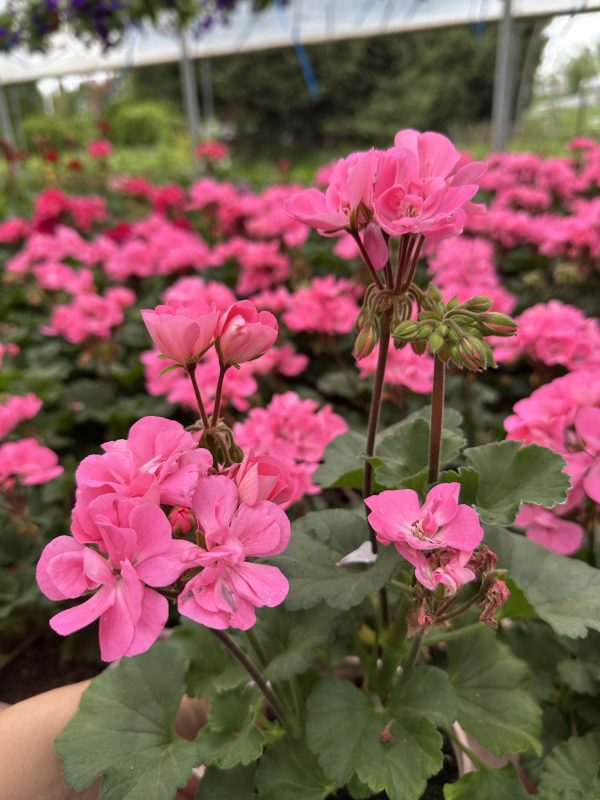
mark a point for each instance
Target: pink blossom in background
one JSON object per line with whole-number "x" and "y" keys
{"x": 10, "y": 349}
{"x": 13, "y": 229}
{"x": 182, "y": 331}
{"x": 551, "y": 531}
{"x": 296, "y": 432}
{"x": 262, "y": 264}
{"x": 284, "y": 360}
{"x": 275, "y": 300}
{"x": 56, "y": 276}
{"x": 100, "y": 149}
{"x": 437, "y": 538}
{"x": 28, "y": 462}
{"x": 587, "y": 430}
{"x": 229, "y": 587}
{"x": 465, "y": 268}
{"x": 404, "y": 368}
{"x": 136, "y": 552}
{"x": 89, "y": 315}
{"x": 212, "y": 150}
{"x": 17, "y": 409}
{"x": 238, "y": 386}
{"x": 245, "y": 333}
{"x": 328, "y": 305}
{"x": 195, "y": 289}
{"x": 554, "y": 333}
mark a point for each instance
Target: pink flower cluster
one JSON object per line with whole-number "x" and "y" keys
{"x": 564, "y": 415}
{"x": 292, "y": 429}
{"x": 327, "y": 305}
{"x": 464, "y": 268}
{"x": 123, "y": 548}
{"x": 437, "y": 538}
{"x": 90, "y": 315}
{"x": 403, "y": 368}
{"x": 419, "y": 186}
{"x": 25, "y": 461}
{"x": 555, "y": 334}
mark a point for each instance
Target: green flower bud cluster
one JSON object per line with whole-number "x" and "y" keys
{"x": 375, "y": 302}
{"x": 454, "y": 331}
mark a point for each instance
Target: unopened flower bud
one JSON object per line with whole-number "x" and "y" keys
{"x": 182, "y": 520}
{"x": 365, "y": 341}
{"x": 419, "y": 347}
{"x": 497, "y": 324}
{"x": 406, "y": 330}
{"x": 436, "y": 341}
{"x": 478, "y": 303}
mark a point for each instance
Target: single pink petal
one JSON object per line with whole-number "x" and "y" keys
{"x": 440, "y": 505}
{"x": 259, "y": 584}
{"x": 153, "y": 618}
{"x": 437, "y": 154}
{"x": 464, "y": 531}
{"x": 214, "y": 502}
{"x": 264, "y": 529}
{"x": 152, "y": 529}
{"x": 117, "y": 623}
{"x": 73, "y": 619}
{"x": 375, "y": 245}
{"x": 587, "y": 425}
{"x": 393, "y": 513}
{"x": 65, "y": 578}
{"x": 591, "y": 483}
{"x": 164, "y": 568}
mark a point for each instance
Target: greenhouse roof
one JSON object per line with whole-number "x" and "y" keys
{"x": 299, "y": 21}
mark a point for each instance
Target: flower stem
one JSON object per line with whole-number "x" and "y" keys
{"x": 254, "y": 673}
{"x": 219, "y": 394}
{"x": 367, "y": 260}
{"x": 191, "y": 371}
{"x": 437, "y": 418}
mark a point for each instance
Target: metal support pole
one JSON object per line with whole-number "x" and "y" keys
{"x": 190, "y": 94}
{"x": 5, "y": 121}
{"x": 208, "y": 104}
{"x": 502, "y": 81}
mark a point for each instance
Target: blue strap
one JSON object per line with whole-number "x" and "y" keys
{"x": 301, "y": 54}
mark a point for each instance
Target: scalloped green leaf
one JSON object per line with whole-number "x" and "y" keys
{"x": 495, "y": 704}
{"x": 394, "y": 751}
{"x": 227, "y": 784}
{"x": 564, "y": 592}
{"x": 290, "y": 771}
{"x": 572, "y": 770}
{"x": 319, "y": 540}
{"x": 511, "y": 473}
{"x": 124, "y": 730}
{"x": 487, "y": 784}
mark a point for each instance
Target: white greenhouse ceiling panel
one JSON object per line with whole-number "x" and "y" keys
{"x": 299, "y": 21}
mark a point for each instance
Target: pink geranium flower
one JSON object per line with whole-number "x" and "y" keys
{"x": 28, "y": 462}
{"x": 551, "y": 531}
{"x": 182, "y": 331}
{"x": 229, "y": 587}
{"x": 442, "y": 521}
{"x": 100, "y": 149}
{"x": 437, "y": 538}
{"x": 159, "y": 462}
{"x": 17, "y": 409}
{"x": 245, "y": 333}
{"x": 137, "y": 552}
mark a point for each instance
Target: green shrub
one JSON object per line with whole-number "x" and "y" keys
{"x": 58, "y": 131}
{"x": 145, "y": 123}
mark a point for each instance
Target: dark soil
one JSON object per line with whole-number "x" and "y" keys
{"x": 42, "y": 666}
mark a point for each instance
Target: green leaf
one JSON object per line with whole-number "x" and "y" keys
{"x": 319, "y": 540}
{"x": 211, "y": 666}
{"x": 429, "y": 692}
{"x": 572, "y": 770}
{"x": 492, "y": 685}
{"x": 582, "y": 672}
{"x": 405, "y": 452}
{"x": 395, "y": 754}
{"x": 124, "y": 730}
{"x": 536, "y": 643}
{"x": 291, "y": 638}
{"x": 289, "y": 771}
{"x": 565, "y": 592}
{"x": 230, "y": 784}
{"x": 342, "y": 463}
{"x": 511, "y": 473}
{"x": 231, "y": 735}
{"x": 487, "y": 784}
